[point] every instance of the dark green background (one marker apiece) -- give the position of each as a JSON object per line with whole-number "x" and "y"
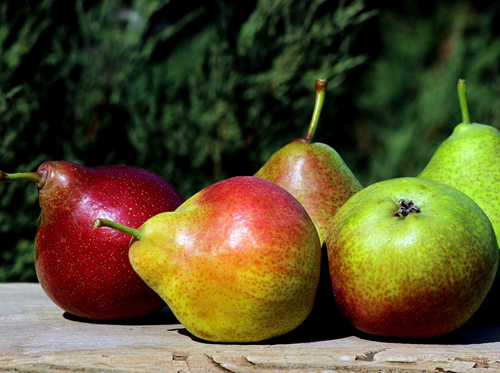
{"x": 199, "y": 91}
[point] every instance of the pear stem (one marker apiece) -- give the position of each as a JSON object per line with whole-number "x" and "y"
{"x": 318, "y": 105}
{"x": 462, "y": 97}
{"x": 31, "y": 176}
{"x": 98, "y": 223}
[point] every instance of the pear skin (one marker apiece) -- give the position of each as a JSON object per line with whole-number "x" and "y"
{"x": 86, "y": 272}
{"x": 237, "y": 262}
{"x": 469, "y": 160}
{"x": 411, "y": 258}
{"x": 316, "y": 176}
{"x": 314, "y": 173}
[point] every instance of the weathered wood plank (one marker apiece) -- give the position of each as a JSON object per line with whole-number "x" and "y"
{"x": 36, "y": 336}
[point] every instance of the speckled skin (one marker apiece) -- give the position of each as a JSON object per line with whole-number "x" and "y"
{"x": 237, "y": 262}
{"x": 86, "y": 271}
{"x": 419, "y": 276}
{"x": 316, "y": 175}
{"x": 469, "y": 160}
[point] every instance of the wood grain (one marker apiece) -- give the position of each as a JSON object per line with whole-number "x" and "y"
{"x": 37, "y": 336}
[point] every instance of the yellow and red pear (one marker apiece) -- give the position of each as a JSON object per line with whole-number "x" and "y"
{"x": 237, "y": 262}
{"x": 411, "y": 258}
{"x": 314, "y": 173}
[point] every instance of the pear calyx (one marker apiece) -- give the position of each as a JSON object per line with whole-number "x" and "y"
{"x": 98, "y": 223}
{"x": 407, "y": 207}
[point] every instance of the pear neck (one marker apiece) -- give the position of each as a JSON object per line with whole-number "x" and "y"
{"x": 406, "y": 207}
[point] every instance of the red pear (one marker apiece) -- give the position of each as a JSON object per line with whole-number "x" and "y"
{"x": 86, "y": 271}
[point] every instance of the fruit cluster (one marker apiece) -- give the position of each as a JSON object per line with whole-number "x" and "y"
{"x": 240, "y": 260}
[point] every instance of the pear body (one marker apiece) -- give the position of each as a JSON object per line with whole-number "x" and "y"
{"x": 86, "y": 271}
{"x": 415, "y": 276}
{"x": 237, "y": 262}
{"x": 469, "y": 160}
{"x": 316, "y": 175}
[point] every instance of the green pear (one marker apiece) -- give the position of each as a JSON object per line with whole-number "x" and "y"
{"x": 237, "y": 262}
{"x": 314, "y": 173}
{"x": 411, "y": 258}
{"x": 469, "y": 160}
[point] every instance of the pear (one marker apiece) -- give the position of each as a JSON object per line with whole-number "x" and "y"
{"x": 87, "y": 272}
{"x": 237, "y": 262}
{"x": 411, "y": 258}
{"x": 469, "y": 160}
{"x": 314, "y": 173}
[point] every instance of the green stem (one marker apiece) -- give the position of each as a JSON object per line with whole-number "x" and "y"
{"x": 462, "y": 97}
{"x": 318, "y": 105}
{"x": 31, "y": 176}
{"x": 137, "y": 233}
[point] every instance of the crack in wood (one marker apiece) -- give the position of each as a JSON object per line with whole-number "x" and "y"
{"x": 249, "y": 361}
{"x": 180, "y": 356}
{"x": 479, "y": 362}
{"x": 218, "y": 365}
{"x": 369, "y": 356}
{"x": 444, "y": 371}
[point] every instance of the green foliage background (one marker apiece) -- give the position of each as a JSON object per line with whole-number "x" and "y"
{"x": 201, "y": 91}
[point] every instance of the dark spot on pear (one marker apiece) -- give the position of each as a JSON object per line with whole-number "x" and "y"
{"x": 406, "y": 208}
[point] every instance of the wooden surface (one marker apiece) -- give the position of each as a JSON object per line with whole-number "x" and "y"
{"x": 37, "y": 336}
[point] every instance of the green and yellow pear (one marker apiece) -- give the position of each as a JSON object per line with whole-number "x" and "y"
{"x": 237, "y": 262}
{"x": 314, "y": 173}
{"x": 411, "y": 258}
{"x": 469, "y": 160}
